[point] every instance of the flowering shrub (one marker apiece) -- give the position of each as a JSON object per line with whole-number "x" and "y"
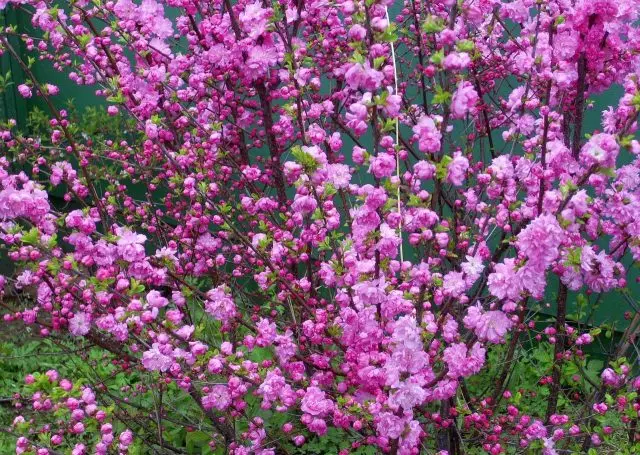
{"x": 325, "y": 227}
{"x": 75, "y": 407}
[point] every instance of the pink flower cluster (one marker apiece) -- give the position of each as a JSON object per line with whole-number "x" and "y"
{"x": 52, "y": 396}
{"x": 299, "y": 219}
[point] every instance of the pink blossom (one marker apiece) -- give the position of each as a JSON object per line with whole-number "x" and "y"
{"x": 602, "y": 149}
{"x": 130, "y": 244}
{"x": 304, "y": 204}
{"x": 316, "y": 403}
{"x": 383, "y": 165}
{"x": 503, "y": 283}
{"x": 266, "y": 332}
{"x": 457, "y": 169}
{"x": 25, "y": 91}
{"x": 489, "y": 326}
{"x": 29, "y": 202}
{"x": 220, "y": 304}
{"x": 254, "y": 19}
{"x": 390, "y": 425}
{"x": 463, "y": 362}
{"x": 357, "y": 32}
{"x": 218, "y": 398}
{"x": 456, "y": 61}
{"x": 183, "y": 237}
{"x": 464, "y": 100}
{"x": 155, "y": 299}
{"x": 126, "y": 437}
{"x": 80, "y": 324}
{"x": 428, "y": 135}
{"x": 260, "y": 58}
{"x": 363, "y": 76}
{"x": 339, "y": 175}
{"x": 540, "y": 240}
{"x": 610, "y": 378}
{"x": 251, "y": 173}
{"x": 155, "y": 360}
{"x": 424, "y": 170}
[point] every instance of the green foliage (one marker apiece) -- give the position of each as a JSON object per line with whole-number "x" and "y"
{"x": 92, "y": 121}
{"x": 18, "y": 360}
{"x": 433, "y": 24}
{"x": 441, "y": 96}
{"x": 442, "y": 167}
{"x": 303, "y": 158}
{"x": 332, "y": 442}
{"x": 90, "y": 365}
{"x": 5, "y": 82}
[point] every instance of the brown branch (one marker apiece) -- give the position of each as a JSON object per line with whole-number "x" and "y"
{"x": 223, "y": 428}
{"x": 558, "y": 351}
{"x": 275, "y": 165}
{"x": 506, "y": 368}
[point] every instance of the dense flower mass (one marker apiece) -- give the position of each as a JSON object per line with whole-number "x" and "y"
{"x": 305, "y": 222}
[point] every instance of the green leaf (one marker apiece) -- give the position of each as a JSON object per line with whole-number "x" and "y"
{"x": 381, "y": 99}
{"x": 303, "y": 158}
{"x": 84, "y": 40}
{"x": 277, "y": 14}
{"x": 566, "y": 188}
{"x": 574, "y": 258}
{"x": 389, "y": 125}
{"x": 53, "y": 241}
{"x": 224, "y": 208}
{"x": 442, "y": 167}
{"x": 31, "y": 237}
{"x": 117, "y": 99}
{"x": 389, "y": 35}
{"x": 357, "y": 57}
{"x": 465, "y": 46}
{"x": 438, "y": 57}
{"x": 441, "y": 96}
{"x": 378, "y": 61}
{"x": 136, "y": 287}
{"x": 196, "y": 440}
{"x": 433, "y": 24}
{"x": 329, "y": 190}
{"x": 608, "y": 171}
